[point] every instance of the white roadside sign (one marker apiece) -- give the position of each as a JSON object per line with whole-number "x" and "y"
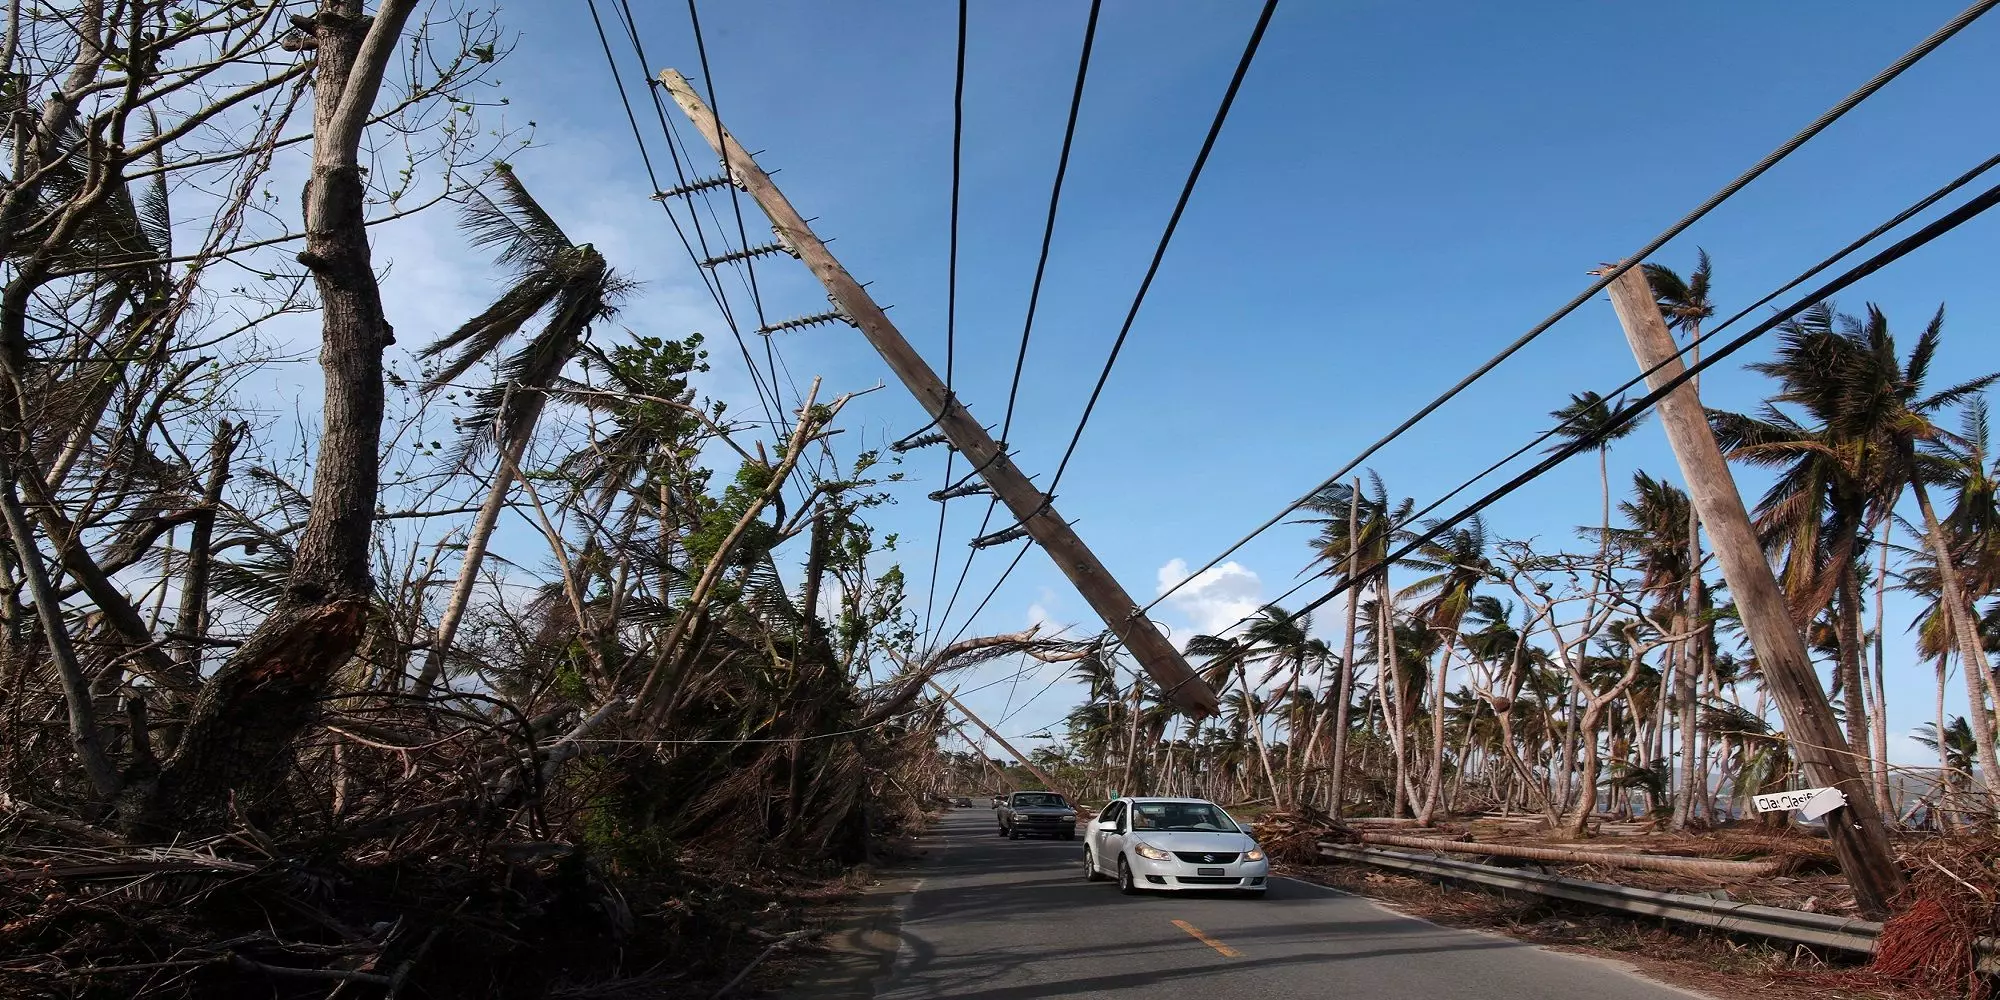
{"x": 1812, "y": 803}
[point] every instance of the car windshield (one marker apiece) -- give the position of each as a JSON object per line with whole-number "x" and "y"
{"x": 1188, "y": 817}
{"x": 1038, "y": 801}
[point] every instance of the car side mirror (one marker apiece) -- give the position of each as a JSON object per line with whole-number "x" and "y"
{"x": 1107, "y": 825}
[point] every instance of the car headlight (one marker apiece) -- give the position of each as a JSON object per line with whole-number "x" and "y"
{"x": 1150, "y": 852}
{"x": 1254, "y": 854}
{"x": 1069, "y": 817}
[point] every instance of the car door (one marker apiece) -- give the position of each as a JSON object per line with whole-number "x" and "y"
{"x": 1109, "y": 842}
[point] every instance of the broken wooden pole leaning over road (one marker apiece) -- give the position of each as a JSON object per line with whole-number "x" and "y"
{"x": 1859, "y": 839}
{"x": 1019, "y": 757}
{"x": 1030, "y": 507}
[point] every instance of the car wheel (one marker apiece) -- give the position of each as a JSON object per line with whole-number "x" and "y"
{"x": 1090, "y": 872}
{"x": 1069, "y": 835}
{"x": 1125, "y": 883}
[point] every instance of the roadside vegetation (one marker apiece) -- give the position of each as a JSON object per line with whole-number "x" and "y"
{"x": 282, "y": 715}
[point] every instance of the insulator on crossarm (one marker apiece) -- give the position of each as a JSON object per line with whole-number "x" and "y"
{"x": 802, "y": 322}
{"x": 1000, "y": 537}
{"x": 955, "y": 492}
{"x": 745, "y": 254}
{"x": 923, "y": 441}
{"x": 692, "y": 187}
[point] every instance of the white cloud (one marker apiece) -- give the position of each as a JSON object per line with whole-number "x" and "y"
{"x": 1214, "y": 601}
{"x": 1039, "y": 616}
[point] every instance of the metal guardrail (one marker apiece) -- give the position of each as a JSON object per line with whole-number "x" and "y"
{"x": 1775, "y": 922}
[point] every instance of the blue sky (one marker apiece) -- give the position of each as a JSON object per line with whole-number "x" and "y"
{"x": 1400, "y": 190}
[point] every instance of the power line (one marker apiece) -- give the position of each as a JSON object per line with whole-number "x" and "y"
{"x": 735, "y": 199}
{"x": 1727, "y": 191}
{"x": 950, "y": 299}
{"x": 1944, "y": 224}
{"x": 1173, "y": 222}
{"x": 1034, "y": 289}
{"x": 1860, "y": 271}
{"x": 1159, "y": 253}
{"x": 652, "y": 177}
{"x": 1055, "y": 201}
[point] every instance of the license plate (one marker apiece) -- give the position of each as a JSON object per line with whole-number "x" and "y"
{"x": 1208, "y": 871}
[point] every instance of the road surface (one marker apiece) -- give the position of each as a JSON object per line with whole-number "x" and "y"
{"x": 994, "y": 919}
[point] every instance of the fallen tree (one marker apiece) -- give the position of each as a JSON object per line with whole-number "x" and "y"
{"x": 1566, "y": 856}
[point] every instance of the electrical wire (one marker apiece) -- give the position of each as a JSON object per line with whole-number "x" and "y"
{"x": 1159, "y": 253}
{"x": 1626, "y": 414}
{"x": 1167, "y": 237}
{"x": 1814, "y": 128}
{"x": 1055, "y": 202}
{"x": 735, "y": 198}
{"x": 950, "y": 301}
{"x": 1837, "y": 256}
{"x": 713, "y": 287}
{"x": 1034, "y": 292}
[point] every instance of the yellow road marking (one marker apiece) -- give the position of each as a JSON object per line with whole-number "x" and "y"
{"x": 1198, "y": 935}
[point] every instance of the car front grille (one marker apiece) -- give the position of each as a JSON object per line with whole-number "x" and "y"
{"x": 1198, "y": 858}
{"x": 1207, "y": 880}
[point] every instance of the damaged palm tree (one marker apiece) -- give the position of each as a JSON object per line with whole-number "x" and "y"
{"x": 572, "y": 287}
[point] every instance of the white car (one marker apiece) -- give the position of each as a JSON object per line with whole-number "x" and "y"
{"x": 1151, "y": 844}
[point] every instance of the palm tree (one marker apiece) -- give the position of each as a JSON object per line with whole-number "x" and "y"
{"x": 1843, "y": 473}
{"x": 1457, "y": 562}
{"x": 1686, "y": 304}
{"x": 1957, "y": 750}
{"x": 1286, "y": 641}
{"x": 1964, "y": 464}
{"x": 1356, "y": 533}
{"x": 1658, "y": 514}
{"x": 1588, "y": 417}
{"x": 568, "y": 284}
{"x": 1226, "y": 656}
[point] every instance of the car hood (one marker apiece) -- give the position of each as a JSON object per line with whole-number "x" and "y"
{"x": 1218, "y": 842}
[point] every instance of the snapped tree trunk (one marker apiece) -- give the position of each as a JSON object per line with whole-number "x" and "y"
{"x": 476, "y": 540}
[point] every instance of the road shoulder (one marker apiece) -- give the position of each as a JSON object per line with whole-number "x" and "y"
{"x": 860, "y": 946}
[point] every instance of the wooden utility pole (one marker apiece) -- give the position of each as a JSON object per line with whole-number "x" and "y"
{"x": 1006, "y": 783}
{"x": 1859, "y": 839}
{"x": 1030, "y": 507}
{"x": 1046, "y": 781}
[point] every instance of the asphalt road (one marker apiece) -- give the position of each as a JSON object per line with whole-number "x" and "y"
{"x": 994, "y": 919}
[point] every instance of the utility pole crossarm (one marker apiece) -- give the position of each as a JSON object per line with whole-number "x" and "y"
{"x": 1030, "y": 507}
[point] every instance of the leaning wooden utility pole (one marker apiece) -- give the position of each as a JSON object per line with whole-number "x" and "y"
{"x": 1006, "y": 783}
{"x": 1030, "y": 507}
{"x": 1021, "y": 758}
{"x": 1859, "y": 840}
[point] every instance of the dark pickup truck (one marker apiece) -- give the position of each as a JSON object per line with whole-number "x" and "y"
{"x": 1037, "y": 813}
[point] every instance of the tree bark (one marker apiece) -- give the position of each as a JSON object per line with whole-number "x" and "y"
{"x": 1848, "y": 627}
{"x": 1347, "y": 661}
{"x": 240, "y": 732}
{"x": 476, "y": 541}
{"x": 1964, "y": 622}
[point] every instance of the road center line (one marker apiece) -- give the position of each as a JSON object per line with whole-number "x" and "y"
{"x": 1198, "y": 935}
